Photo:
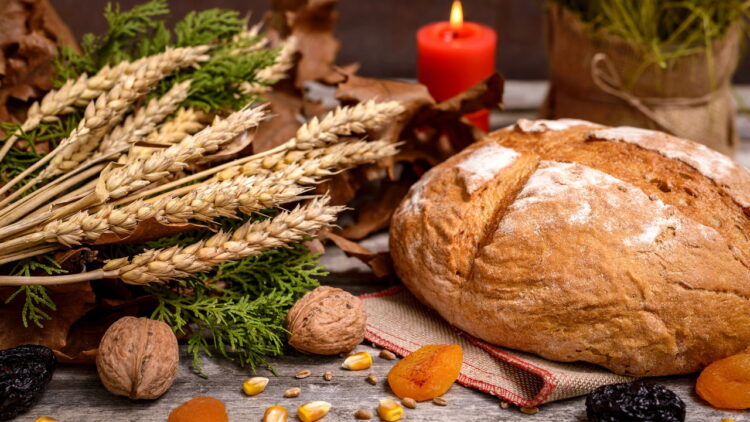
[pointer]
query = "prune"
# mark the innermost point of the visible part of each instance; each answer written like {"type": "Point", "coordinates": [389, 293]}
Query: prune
{"type": "Point", "coordinates": [25, 372]}
{"type": "Point", "coordinates": [634, 402]}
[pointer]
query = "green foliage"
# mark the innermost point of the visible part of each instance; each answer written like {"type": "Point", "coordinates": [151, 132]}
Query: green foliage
{"type": "Point", "coordinates": [668, 29]}
{"type": "Point", "coordinates": [125, 31]}
{"type": "Point", "coordinates": [35, 297]}
{"type": "Point", "coordinates": [238, 309]}
{"type": "Point", "coordinates": [216, 84]}
{"type": "Point", "coordinates": [142, 31]}
{"type": "Point", "coordinates": [205, 27]}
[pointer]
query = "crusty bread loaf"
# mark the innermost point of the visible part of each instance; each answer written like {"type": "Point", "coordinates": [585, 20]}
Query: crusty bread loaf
{"type": "Point", "coordinates": [622, 247]}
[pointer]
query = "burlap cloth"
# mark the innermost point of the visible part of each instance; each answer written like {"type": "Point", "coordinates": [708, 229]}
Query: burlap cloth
{"type": "Point", "coordinates": [398, 322]}
{"type": "Point", "coordinates": [607, 80]}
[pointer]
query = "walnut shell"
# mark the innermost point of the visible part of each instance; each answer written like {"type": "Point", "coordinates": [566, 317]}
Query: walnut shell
{"type": "Point", "coordinates": [138, 358]}
{"type": "Point", "coordinates": [326, 321]}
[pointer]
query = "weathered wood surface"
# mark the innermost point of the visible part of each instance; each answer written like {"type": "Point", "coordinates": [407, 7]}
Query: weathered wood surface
{"type": "Point", "coordinates": [76, 395]}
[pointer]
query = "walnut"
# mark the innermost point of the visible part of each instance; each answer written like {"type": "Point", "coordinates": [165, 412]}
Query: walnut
{"type": "Point", "coordinates": [326, 321]}
{"type": "Point", "coordinates": [138, 358]}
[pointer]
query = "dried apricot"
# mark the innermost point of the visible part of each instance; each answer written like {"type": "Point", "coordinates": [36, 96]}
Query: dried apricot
{"type": "Point", "coordinates": [199, 409]}
{"type": "Point", "coordinates": [427, 373]}
{"type": "Point", "coordinates": [726, 383]}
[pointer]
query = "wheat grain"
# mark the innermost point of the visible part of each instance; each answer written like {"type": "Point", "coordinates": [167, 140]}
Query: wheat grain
{"type": "Point", "coordinates": [307, 167]}
{"type": "Point", "coordinates": [140, 173]}
{"type": "Point", "coordinates": [345, 121]}
{"type": "Point", "coordinates": [186, 121]}
{"type": "Point", "coordinates": [144, 120]}
{"type": "Point", "coordinates": [154, 266]}
{"type": "Point", "coordinates": [110, 107]}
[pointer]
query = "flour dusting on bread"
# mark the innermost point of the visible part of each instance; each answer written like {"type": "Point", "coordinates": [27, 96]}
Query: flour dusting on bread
{"type": "Point", "coordinates": [572, 194]}
{"type": "Point", "coordinates": [484, 164]}
{"type": "Point", "coordinates": [712, 164]}
{"type": "Point", "coordinates": [414, 201]}
{"type": "Point", "coordinates": [529, 126]}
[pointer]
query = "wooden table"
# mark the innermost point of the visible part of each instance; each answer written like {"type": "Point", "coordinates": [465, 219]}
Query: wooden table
{"type": "Point", "coordinates": [76, 395]}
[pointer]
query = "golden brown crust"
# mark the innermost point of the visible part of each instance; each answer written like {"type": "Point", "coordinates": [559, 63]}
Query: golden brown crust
{"type": "Point", "coordinates": [580, 247]}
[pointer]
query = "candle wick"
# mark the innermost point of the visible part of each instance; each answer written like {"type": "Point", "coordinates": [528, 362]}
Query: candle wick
{"type": "Point", "coordinates": [450, 35]}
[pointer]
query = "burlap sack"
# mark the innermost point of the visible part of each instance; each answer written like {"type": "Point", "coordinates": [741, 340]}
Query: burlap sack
{"type": "Point", "coordinates": [398, 322]}
{"type": "Point", "coordinates": [602, 79]}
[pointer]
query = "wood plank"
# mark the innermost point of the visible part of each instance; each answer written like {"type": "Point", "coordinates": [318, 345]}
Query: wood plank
{"type": "Point", "coordinates": [76, 394]}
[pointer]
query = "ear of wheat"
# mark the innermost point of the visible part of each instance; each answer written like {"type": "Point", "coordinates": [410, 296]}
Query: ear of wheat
{"type": "Point", "coordinates": [251, 238]}
{"type": "Point", "coordinates": [109, 107]}
{"type": "Point", "coordinates": [143, 121]}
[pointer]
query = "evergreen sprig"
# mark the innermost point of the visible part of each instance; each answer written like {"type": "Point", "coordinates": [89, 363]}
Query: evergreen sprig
{"type": "Point", "coordinates": [207, 26]}
{"type": "Point", "coordinates": [238, 309]}
{"type": "Point", "coordinates": [35, 297]}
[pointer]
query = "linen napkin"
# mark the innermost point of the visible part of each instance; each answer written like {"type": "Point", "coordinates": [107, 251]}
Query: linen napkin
{"type": "Point", "coordinates": [397, 321]}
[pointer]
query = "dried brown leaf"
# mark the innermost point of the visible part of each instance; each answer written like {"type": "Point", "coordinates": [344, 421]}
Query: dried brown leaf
{"type": "Point", "coordinates": [286, 116]}
{"type": "Point", "coordinates": [375, 215]}
{"type": "Point", "coordinates": [31, 33]}
{"type": "Point", "coordinates": [379, 262]}
{"type": "Point", "coordinates": [148, 229]}
{"type": "Point", "coordinates": [72, 300]}
{"type": "Point", "coordinates": [312, 23]}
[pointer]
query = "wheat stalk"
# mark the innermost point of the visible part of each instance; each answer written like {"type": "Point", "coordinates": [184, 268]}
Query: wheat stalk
{"type": "Point", "coordinates": [78, 92]}
{"type": "Point", "coordinates": [143, 121]}
{"type": "Point", "coordinates": [251, 238]}
{"type": "Point", "coordinates": [109, 108]}
{"type": "Point", "coordinates": [162, 265]}
{"type": "Point", "coordinates": [140, 173]}
{"type": "Point", "coordinates": [219, 199]}
{"type": "Point", "coordinates": [105, 110]}
{"type": "Point", "coordinates": [343, 121]}
{"type": "Point", "coordinates": [307, 167]}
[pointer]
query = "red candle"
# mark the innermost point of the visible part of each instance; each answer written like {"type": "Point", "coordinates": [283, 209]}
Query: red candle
{"type": "Point", "coordinates": [454, 56]}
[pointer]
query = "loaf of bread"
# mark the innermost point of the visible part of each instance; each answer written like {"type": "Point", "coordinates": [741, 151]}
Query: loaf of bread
{"type": "Point", "coordinates": [622, 247]}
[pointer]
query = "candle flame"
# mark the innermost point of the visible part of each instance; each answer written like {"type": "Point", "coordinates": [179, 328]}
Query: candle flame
{"type": "Point", "coordinates": [457, 15]}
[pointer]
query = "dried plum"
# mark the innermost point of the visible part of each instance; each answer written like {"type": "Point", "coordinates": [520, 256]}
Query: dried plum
{"type": "Point", "coordinates": [25, 372]}
{"type": "Point", "coordinates": [634, 402]}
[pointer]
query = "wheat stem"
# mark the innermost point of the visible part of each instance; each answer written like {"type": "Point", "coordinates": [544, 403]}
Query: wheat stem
{"type": "Point", "coordinates": [4, 259]}
{"type": "Point", "coordinates": [13, 280]}
{"type": "Point", "coordinates": [166, 264]}
{"type": "Point", "coordinates": [14, 213]}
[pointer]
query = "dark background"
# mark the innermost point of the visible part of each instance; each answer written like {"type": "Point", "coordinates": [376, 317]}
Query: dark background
{"type": "Point", "coordinates": [379, 34]}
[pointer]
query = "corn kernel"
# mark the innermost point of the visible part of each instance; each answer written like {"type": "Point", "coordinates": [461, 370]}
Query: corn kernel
{"type": "Point", "coordinates": [313, 411]}
{"type": "Point", "coordinates": [46, 419]}
{"type": "Point", "coordinates": [358, 361]}
{"type": "Point", "coordinates": [390, 411]}
{"type": "Point", "coordinates": [275, 414]}
{"type": "Point", "coordinates": [254, 386]}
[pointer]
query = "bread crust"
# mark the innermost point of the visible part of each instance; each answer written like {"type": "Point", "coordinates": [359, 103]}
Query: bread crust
{"type": "Point", "coordinates": [564, 239]}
